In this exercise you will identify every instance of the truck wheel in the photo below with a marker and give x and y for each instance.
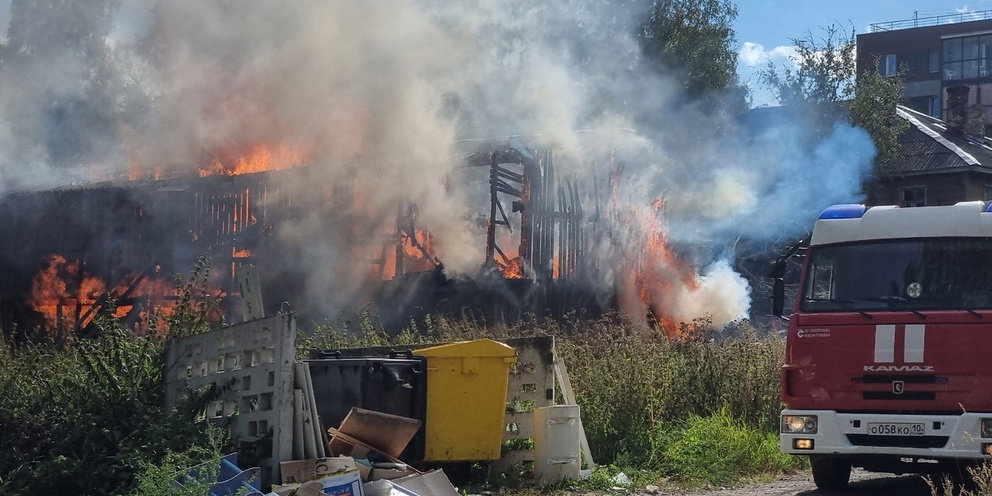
(830, 473)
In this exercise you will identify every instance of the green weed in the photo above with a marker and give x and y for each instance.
(87, 416)
(718, 450)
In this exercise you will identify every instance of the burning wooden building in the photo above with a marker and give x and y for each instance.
(73, 252)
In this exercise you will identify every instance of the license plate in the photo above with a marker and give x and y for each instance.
(895, 429)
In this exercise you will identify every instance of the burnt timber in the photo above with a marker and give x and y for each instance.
(163, 226)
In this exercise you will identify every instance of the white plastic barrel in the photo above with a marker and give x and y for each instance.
(556, 443)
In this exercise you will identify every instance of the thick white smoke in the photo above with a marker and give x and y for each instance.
(385, 95)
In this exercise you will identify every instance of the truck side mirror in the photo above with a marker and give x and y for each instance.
(778, 297)
(778, 289)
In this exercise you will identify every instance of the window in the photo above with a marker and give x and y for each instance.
(987, 194)
(888, 66)
(967, 57)
(907, 274)
(934, 60)
(914, 196)
(952, 59)
(935, 107)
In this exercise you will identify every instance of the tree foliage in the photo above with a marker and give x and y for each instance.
(696, 39)
(874, 110)
(824, 71)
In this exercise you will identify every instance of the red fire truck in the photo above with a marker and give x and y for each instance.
(889, 351)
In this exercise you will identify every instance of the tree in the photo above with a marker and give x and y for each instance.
(824, 72)
(695, 38)
(874, 110)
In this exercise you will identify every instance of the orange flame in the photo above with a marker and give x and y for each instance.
(659, 272)
(58, 293)
(260, 158)
(413, 257)
(67, 297)
(514, 269)
(240, 252)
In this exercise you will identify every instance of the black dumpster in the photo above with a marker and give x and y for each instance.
(395, 383)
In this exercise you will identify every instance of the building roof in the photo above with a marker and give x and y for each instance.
(928, 147)
(936, 20)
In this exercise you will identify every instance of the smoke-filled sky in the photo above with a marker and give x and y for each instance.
(388, 94)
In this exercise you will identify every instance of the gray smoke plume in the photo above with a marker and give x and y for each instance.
(386, 96)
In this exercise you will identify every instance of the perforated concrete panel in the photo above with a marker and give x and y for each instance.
(252, 364)
(531, 385)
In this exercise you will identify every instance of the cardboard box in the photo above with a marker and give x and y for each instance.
(297, 471)
(347, 483)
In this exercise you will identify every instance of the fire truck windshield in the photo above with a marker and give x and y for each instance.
(907, 274)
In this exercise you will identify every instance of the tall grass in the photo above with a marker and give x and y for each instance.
(643, 395)
(87, 417)
(977, 482)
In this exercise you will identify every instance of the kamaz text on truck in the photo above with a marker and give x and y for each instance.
(889, 350)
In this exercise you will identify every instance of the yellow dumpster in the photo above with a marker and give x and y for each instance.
(466, 400)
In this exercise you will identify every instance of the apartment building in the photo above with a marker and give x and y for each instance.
(938, 52)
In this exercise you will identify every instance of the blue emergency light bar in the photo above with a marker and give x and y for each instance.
(844, 211)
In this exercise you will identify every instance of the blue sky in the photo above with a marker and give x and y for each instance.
(764, 27)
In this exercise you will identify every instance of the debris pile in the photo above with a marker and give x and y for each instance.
(398, 414)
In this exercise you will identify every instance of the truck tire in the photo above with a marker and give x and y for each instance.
(830, 473)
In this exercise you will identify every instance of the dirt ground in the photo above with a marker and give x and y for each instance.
(862, 484)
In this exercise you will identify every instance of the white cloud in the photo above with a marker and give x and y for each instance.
(752, 54)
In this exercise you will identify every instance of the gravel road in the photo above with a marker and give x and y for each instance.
(862, 484)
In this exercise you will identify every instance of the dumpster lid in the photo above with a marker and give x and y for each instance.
(476, 348)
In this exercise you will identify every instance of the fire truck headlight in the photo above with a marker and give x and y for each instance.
(798, 424)
(987, 427)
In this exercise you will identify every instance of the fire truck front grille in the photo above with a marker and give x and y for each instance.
(890, 378)
(898, 441)
(904, 396)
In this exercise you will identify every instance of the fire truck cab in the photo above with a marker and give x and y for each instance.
(888, 361)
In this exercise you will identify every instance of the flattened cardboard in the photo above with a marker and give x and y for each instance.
(345, 445)
(383, 432)
(382, 471)
(297, 471)
(386, 488)
(433, 483)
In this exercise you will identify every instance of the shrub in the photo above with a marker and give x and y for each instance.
(86, 416)
(718, 450)
(631, 383)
